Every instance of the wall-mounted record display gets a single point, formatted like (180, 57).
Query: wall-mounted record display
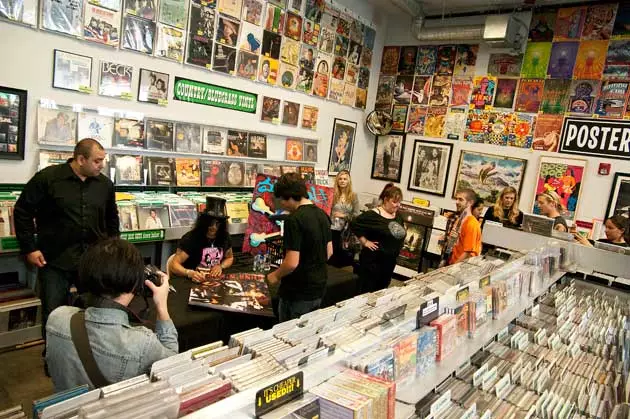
(98, 127)
(101, 25)
(72, 71)
(153, 86)
(64, 16)
(146, 9)
(257, 145)
(170, 43)
(174, 13)
(159, 134)
(129, 169)
(115, 80)
(56, 126)
(12, 123)
(129, 133)
(187, 138)
(214, 140)
(138, 34)
(161, 171)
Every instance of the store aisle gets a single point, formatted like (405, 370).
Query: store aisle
(22, 378)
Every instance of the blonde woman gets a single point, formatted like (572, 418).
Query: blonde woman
(345, 208)
(505, 210)
(550, 206)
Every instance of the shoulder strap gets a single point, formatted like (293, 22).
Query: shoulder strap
(81, 342)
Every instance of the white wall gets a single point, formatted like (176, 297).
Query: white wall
(595, 188)
(27, 63)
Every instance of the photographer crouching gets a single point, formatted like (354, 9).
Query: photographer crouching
(99, 346)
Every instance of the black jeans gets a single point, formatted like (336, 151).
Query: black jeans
(288, 309)
(54, 290)
(340, 257)
(375, 271)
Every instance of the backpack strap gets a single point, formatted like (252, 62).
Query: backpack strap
(81, 342)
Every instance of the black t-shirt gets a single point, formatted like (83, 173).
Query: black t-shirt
(559, 220)
(307, 231)
(506, 218)
(203, 251)
(624, 244)
(389, 233)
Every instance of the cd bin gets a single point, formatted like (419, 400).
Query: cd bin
(20, 321)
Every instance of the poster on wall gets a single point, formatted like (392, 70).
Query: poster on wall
(536, 60)
(388, 157)
(12, 123)
(417, 222)
(619, 200)
(596, 138)
(342, 146)
(488, 174)
(564, 177)
(430, 166)
(506, 65)
(547, 133)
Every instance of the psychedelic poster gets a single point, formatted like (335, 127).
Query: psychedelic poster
(426, 61)
(483, 92)
(455, 124)
(499, 126)
(477, 126)
(611, 102)
(385, 90)
(555, 96)
(446, 60)
(416, 119)
(617, 65)
(562, 60)
(590, 60)
(547, 132)
(434, 125)
(536, 60)
(421, 90)
(407, 63)
(506, 92)
(621, 28)
(440, 91)
(399, 116)
(522, 130)
(599, 21)
(505, 65)
(541, 26)
(529, 95)
(389, 65)
(569, 23)
(564, 177)
(582, 96)
(465, 60)
(402, 89)
(462, 87)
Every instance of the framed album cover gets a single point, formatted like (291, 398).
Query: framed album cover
(430, 167)
(72, 71)
(12, 123)
(342, 146)
(115, 80)
(619, 201)
(153, 86)
(388, 157)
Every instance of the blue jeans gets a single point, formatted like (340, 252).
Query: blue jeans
(288, 309)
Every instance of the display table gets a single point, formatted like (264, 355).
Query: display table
(198, 326)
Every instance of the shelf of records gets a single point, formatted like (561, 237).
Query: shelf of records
(309, 46)
(361, 356)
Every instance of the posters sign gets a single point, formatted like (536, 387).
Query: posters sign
(596, 137)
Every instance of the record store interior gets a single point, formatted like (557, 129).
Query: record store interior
(315, 209)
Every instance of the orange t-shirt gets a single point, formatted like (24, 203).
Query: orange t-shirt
(469, 239)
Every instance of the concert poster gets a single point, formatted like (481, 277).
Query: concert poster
(529, 97)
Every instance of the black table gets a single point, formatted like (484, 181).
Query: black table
(198, 326)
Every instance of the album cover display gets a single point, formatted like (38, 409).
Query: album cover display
(290, 113)
(271, 45)
(270, 109)
(252, 11)
(274, 19)
(101, 25)
(224, 60)
(236, 143)
(235, 173)
(153, 86)
(213, 173)
(288, 76)
(293, 26)
(115, 79)
(199, 53)
(182, 215)
(268, 70)
(335, 90)
(159, 135)
(55, 126)
(294, 149)
(161, 171)
(247, 66)
(24, 11)
(227, 31)
(251, 38)
(310, 33)
(145, 9)
(241, 292)
(352, 73)
(152, 216)
(127, 216)
(257, 146)
(361, 101)
(170, 43)
(98, 127)
(49, 158)
(349, 95)
(188, 172)
(187, 138)
(310, 152)
(128, 133)
(214, 140)
(72, 71)
(129, 170)
(201, 34)
(63, 16)
(290, 52)
(230, 7)
(174, 13)
(138, 34)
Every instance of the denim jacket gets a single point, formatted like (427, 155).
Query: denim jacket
(120, 350)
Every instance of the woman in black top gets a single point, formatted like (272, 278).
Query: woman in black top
(615, 230)
(505, 210)
(207, 246)
(381, 232)
(550, 206)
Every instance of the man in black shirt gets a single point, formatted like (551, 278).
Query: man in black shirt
(70, 206)
(308, 246)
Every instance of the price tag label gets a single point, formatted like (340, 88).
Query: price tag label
(85, 89)
(279, 393)
(162, 102)
(126, 96)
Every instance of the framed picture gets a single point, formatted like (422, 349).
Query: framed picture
(619, 201)
(12, 123)
(72, 71)
(388, 157)
(489, 174)
(563, 176)
(153, 86)
(430, 167)
(342, 146)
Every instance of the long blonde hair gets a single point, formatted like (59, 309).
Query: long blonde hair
(552, 196)
(498, 206)
(348, 195)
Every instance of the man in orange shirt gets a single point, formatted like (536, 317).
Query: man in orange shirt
(469, 239)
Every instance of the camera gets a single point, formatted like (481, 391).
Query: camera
(151, 273)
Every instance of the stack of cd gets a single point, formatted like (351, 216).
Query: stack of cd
(249, 373)
(15, 412)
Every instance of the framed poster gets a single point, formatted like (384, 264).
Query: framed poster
(342, 146)
(388, 157)
(430, 166)
(564, 177)
(72, 71)
(619, 201)
(153, 86)
(12, 123)
(488, 174)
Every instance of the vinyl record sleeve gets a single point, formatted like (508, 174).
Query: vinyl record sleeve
(128, 133)
(187, 138)
(170, 43)
(257, 146)
(145, 9)
(101, 25)
(224, 60)
(98, 127)
(244, 293)
(138, 34)
(188, 172)
(252, 11)
(214, 140)
(161, 171)
(174, 12)
(24, 11)
(55, 126)
(65, 16)
(129, 170)
(159, 135)
(127, 216)
(115, 79)
(247, 65)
